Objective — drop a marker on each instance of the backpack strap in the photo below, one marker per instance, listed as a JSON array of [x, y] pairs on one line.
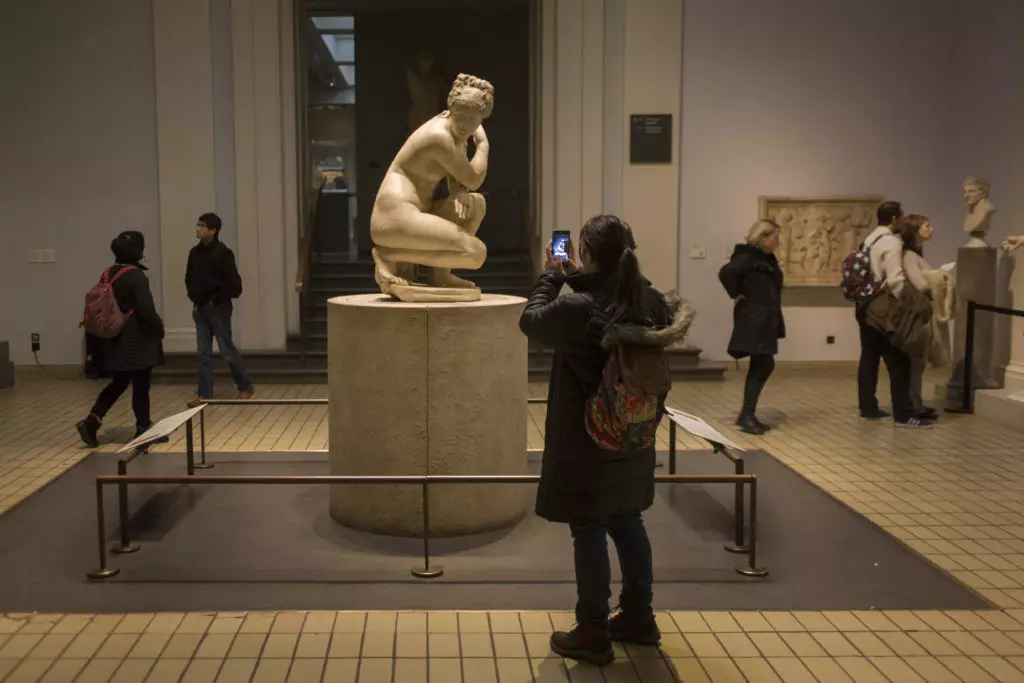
[[119, 274]]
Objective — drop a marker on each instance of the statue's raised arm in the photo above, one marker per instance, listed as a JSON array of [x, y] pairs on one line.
[[409, 226]]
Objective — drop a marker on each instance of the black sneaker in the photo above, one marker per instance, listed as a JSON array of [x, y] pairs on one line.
[[139, 431], [928, 414], [875, 414], [762, 425], [914, 423], [88, 430], [626, 628], [749, 425], [585, 644]]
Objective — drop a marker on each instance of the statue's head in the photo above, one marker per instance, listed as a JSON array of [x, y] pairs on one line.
[[470, 101], [975, 189]]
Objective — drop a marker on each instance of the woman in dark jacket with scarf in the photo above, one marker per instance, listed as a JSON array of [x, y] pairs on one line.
[[598, 492], [753, 279], [132, 355]]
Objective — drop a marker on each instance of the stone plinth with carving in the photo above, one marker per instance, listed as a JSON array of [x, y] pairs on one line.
[[427, 388], [975, 280]]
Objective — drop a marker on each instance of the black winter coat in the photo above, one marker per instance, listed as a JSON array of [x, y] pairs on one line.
[[211, 274], [579, 480], [139, 345], [757, 316]]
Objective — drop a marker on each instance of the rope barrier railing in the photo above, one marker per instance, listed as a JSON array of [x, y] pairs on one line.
[[967, 398], [104, 571]]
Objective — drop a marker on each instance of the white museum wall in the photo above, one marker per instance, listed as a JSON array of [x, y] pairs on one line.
[[78, 160], [799, 98]]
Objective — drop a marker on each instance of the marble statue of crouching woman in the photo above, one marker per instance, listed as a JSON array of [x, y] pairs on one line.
[[409, 227]]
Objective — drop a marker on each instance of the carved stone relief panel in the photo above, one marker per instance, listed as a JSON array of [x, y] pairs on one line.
[[817, 234]]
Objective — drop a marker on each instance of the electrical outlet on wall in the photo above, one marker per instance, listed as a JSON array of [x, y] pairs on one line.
[[698, 251], [830, 339]]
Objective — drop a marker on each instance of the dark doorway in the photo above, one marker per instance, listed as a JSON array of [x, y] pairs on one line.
[[486, 38]]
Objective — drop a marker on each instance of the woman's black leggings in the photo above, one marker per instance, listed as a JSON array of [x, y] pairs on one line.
[[761, 368]]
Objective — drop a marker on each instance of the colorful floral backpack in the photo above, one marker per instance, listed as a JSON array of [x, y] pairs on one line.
[[625, 412]]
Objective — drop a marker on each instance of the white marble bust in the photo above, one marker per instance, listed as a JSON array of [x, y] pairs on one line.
[[980, 210]]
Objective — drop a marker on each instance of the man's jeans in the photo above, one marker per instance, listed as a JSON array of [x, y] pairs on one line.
[[594, 572], [215, 321]]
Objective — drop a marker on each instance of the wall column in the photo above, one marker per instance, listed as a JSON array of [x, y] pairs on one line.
[[185, 148], [652, 84], [262, 165]]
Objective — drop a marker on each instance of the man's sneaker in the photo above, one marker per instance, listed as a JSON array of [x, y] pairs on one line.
[[914, 423], [584, 643], [875, 414], [928, 414], [626, 628]]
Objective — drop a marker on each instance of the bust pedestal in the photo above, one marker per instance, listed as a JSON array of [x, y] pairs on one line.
[[427, 388], [975, 279]]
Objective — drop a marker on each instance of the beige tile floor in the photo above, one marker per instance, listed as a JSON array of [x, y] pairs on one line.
[[951, 493]]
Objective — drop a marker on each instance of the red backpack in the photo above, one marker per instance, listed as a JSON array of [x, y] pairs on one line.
[[103, 317]]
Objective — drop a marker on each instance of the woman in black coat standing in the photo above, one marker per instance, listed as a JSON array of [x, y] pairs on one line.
[[598, 492], [753, 279], [132, 355]]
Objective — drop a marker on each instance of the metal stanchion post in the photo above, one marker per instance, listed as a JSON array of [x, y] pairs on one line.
[[671, 446], [751, 569], [967, 397], [126, 546], [190, 457], [202, 464], [427, 572], [739, 545], [103, 572]]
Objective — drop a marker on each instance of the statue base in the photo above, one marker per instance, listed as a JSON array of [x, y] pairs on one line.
[[419, 388], [422, 294]]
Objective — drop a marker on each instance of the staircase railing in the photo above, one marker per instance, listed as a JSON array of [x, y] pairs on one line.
[[305, 255]]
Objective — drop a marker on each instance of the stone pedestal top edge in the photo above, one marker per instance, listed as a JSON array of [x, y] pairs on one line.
[[385, 301]]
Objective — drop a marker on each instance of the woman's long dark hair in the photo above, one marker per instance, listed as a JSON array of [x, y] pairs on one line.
[[910, 230], [610, 244]]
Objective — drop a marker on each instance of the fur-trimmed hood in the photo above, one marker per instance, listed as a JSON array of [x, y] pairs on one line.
[[682, 316]]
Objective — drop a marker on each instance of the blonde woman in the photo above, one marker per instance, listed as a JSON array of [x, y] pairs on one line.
[[753, 280]]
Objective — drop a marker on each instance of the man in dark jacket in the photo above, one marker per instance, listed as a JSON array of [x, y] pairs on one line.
[[131, 356], [212, 281]]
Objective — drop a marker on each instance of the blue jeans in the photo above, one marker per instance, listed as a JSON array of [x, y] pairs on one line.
[[215, 321], [594, 572]]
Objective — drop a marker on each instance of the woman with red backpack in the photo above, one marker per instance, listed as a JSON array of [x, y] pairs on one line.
[[132, 351], [598, 491]]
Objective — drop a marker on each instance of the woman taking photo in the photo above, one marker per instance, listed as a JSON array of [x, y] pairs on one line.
[[753, 280], [597, 492], [915, 231]]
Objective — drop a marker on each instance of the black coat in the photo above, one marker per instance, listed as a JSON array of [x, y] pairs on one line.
[[211, 275], [580, 480], [139, 345], [756, 317]]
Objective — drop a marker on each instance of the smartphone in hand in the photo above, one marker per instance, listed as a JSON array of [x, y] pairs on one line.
[[560, 245]]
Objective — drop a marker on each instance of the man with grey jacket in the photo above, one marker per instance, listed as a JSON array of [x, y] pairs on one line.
[[886, 252]]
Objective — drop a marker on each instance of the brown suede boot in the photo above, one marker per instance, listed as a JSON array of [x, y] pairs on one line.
[[584, 643]]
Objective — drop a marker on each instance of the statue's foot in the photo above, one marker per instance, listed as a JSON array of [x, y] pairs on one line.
[[384, 273], [444, 278]]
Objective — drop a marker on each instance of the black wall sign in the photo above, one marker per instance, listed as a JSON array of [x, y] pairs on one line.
[[650, 138]]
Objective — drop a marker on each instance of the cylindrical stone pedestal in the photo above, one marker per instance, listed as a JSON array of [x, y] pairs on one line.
[[975, 279], [427, 388]]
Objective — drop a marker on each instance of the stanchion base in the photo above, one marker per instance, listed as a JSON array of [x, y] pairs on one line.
[[959, 411], [738, 549], [125, 549], [429, 573], [203, 465], [747, 570], [103, 573]]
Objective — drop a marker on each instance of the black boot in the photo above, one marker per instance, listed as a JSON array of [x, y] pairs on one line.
[[88, 429], [749, 424], [584, 643], [630, 627]]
